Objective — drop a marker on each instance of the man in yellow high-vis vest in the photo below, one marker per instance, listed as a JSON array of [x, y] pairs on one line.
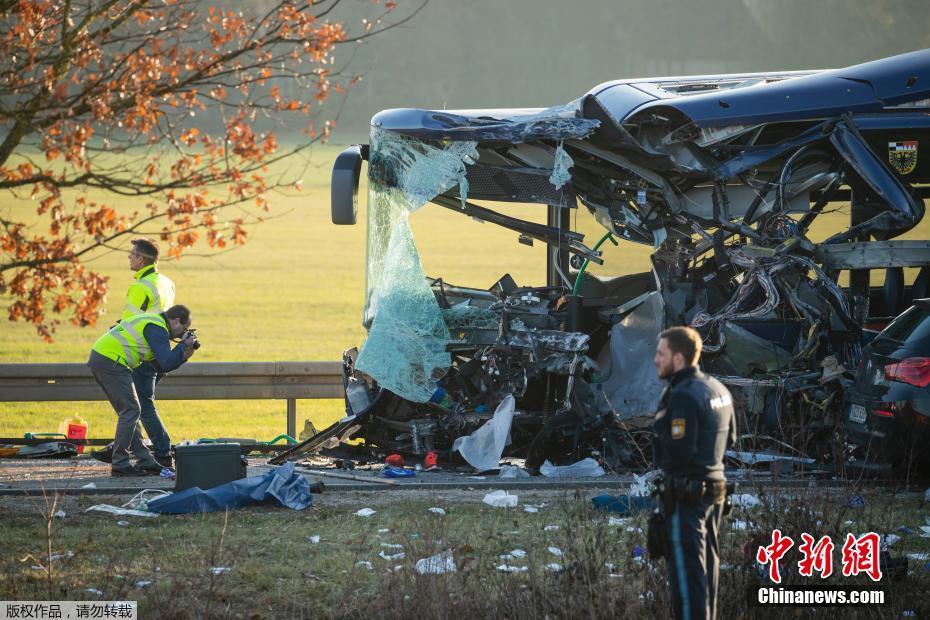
[[150, 291], [142, 339]]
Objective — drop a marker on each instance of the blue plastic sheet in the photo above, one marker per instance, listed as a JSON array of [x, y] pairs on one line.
[[282, 484], [622, 504]]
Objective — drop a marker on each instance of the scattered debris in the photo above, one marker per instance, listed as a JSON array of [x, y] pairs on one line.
[[507, 568], [364, 564], [438, 564], [889, 540], [745, 500], [219, 570], [554, 567], [89, 485], [501, 499], [555, 551], [551, 528], [122, 523], [393, 556], [585, 468], [315, 539], [94, 591], [530, 508], [436, 510], [60, 514], [143, 583], [365, 512], [512, 471], [123, 512]]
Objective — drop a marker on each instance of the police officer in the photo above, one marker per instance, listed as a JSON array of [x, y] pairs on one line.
[[142, 339], [150, 291], [694, 424]]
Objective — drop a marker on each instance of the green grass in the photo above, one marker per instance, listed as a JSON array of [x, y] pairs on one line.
[[293, 292], [276, 571]]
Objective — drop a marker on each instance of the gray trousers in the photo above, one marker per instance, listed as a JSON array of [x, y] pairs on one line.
[[117, 384]]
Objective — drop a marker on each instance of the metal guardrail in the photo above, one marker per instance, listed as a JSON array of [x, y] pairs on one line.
[[288, 381]]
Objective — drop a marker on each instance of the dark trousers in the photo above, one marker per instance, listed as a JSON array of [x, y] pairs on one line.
[[117, 384], [145, 378], [693, 559]]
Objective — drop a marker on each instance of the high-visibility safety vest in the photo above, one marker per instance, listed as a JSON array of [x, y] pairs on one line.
[[150, 292], [125, 343]]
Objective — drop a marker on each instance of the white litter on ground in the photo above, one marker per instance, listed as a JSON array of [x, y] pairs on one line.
[[550, 528], [365, 564], [61, 514], [518, 553], [315, 539], [554, 567], [383, 530], [219, 570], [391, 546], [530, 508], [365, 512], [143, 583], [617, 520], [507, 568], [585, 468], [94, 591], [123, 512], [889, 540], [438, 564], [437, 511], [555, 551], [501, 499], [392, 557], [89, 485], [745, 500]]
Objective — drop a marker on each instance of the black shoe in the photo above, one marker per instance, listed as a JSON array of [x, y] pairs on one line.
[[104, 455], [127, 472], [151, 469], [165, 461]]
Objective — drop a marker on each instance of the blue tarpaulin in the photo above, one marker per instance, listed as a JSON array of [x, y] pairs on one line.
[[282, 484]]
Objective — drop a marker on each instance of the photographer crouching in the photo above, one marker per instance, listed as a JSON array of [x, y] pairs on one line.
[[694, 425], [142, 338]]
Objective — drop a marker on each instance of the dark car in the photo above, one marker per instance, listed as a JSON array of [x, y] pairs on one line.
[[888, 409]]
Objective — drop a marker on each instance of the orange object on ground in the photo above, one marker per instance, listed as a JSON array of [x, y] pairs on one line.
[[75, 428], [395, 460], [431, 460]]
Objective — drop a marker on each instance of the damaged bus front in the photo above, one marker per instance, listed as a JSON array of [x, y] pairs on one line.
[[723, 177]]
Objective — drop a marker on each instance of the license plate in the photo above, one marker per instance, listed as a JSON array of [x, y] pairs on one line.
[[857, 414]]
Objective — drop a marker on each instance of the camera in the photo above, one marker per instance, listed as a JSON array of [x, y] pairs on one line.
[[191, 333]]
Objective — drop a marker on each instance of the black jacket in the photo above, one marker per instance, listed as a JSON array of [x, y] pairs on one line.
[[697, 426]]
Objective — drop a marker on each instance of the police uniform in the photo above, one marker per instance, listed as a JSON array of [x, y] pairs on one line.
[[695, 424], [151, 291]]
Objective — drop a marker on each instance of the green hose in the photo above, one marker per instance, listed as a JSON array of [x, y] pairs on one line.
[[584, 265]]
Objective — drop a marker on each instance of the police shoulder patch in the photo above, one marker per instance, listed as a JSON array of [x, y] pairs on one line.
[[678, 428]]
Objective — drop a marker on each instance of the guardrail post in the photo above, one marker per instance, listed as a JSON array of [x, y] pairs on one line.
[[292, 417]]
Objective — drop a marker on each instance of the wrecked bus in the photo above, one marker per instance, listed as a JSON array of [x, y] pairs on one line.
[[722, 176]]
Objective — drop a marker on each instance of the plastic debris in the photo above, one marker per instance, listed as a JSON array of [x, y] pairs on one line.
[[555, 551], [856, 501], [507, 568], [554, 567], [364, 512], [745, 500], [168, 473], [550, 528], [94, 591], [622, 504], [639, 553], [518, 553], [143, 583], [438, 564], [219, 570], [122, 512], [365, 564], [436, 510], [89, 485], [585, 468], [501, 499], [392, 556], [60, 514], [919, 557], [642, 485], [315, 539], [560, 165], [530, 508], [925, 531], [617, 521], [889, 540], [397, 472], [512, 471], [484, 447], [383, 530], [122, 523], [282, 484]]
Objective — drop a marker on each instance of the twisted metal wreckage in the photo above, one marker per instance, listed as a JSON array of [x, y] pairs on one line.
[[723, 176]]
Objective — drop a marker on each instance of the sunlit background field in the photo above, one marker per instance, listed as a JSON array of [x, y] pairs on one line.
[[295, 292]]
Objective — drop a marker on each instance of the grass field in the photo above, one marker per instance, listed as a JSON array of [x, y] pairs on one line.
[[325, 562], [293, 292]]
